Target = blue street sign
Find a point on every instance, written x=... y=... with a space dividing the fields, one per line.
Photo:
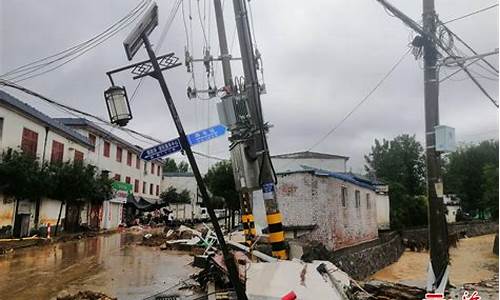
x=161 y=150
x=174 y=145
x=206 y=134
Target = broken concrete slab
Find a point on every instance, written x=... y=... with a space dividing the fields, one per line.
x=275 y=280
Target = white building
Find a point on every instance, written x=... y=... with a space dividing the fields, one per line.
x=121 y=159
x=337 y=209
x=452 y=204
x=383 y=206
x=307 y=160
x=22 y=127
x=182 y=181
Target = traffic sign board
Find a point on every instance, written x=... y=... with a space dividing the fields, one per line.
x=174 y=145
x=206 y=134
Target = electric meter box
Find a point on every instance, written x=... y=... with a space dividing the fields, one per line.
x=445 y=138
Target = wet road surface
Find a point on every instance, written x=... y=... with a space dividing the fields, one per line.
x=472 y=261
x=111 y=264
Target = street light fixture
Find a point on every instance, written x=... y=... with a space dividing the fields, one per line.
x=118 y=105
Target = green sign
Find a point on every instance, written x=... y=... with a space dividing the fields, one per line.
x=122 y=186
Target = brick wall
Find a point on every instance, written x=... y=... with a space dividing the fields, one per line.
x=307 y=199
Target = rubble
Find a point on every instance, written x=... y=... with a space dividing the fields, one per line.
x=86 y=295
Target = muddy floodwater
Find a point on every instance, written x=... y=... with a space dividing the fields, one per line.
x=111 y=264
x=472 y=261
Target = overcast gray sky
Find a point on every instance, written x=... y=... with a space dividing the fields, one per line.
x=320 y=59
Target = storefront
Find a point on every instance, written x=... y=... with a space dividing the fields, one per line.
x=113 y=208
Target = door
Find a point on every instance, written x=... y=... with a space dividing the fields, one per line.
x=72 y=220
x=94 y=216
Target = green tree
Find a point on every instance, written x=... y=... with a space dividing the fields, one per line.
x=401 y=164
x=172 y=167
x=171 y=196
x=169 y=165
x=220 y=182
x=471 y=173
x=22 y=176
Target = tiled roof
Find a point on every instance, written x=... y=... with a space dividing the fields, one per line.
x=82 y=122
x=309 y=154
x=338 y=175
x=12 y=102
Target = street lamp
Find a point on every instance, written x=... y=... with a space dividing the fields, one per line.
x=118 y=105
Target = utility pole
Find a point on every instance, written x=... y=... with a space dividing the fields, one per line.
x=256 y=141
x=438 y=231
x=437 y=278
x=245 y=194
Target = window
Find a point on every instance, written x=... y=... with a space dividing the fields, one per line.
x=92 y=139
x=29 y=142
x=1 y=128
x=129 y=158
x=117 y=177
x=78 y=156
x=368 y=204
x=151 y=188
x=57 y=152
x=144 y=187
x=127 y=179
x=145 y=168
x=107 y=146
x=136 y=186
x=358 y=200
x=343 y=195
x=159 y=170
x=119 y=153
x=152 y=168
x=157 y=190
x=137 y=162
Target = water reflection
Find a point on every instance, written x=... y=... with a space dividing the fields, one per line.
x=112 y=264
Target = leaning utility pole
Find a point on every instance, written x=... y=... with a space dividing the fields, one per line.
x=256 y=142
x=438 y=231
x=245 y=194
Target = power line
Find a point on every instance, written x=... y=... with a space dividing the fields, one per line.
x=362 y=100
x=471 y=14
x=77 y=49
x=72 y=111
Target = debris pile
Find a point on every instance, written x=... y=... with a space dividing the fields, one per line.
x=379 y=290
x=86 y=295
x=183 y=238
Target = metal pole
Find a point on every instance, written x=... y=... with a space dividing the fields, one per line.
x=266 y=176
x=438 y=233
x=228 y=258
x=245 y=196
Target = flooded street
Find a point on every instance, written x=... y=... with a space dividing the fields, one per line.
x=472 y=261
x=111 y=264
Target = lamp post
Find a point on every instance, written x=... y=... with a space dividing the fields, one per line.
x=154 y=67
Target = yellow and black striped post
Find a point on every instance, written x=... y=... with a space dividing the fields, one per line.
x=247 y=219
x=274 y=221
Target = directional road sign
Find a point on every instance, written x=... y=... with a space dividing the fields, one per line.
x=174 y=145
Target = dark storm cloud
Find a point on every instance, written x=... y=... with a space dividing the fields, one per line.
x=320 y=59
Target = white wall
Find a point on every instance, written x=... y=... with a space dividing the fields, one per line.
x=49 y=212
x=180 y=182
x=110 y=163
x=12 y=133
x=306 y=199
x=6 y=211
x=451 y=213
x=294 y=164
x=383 y=211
